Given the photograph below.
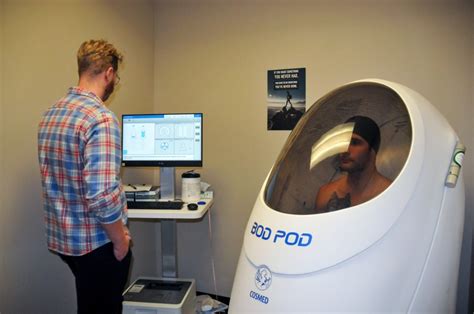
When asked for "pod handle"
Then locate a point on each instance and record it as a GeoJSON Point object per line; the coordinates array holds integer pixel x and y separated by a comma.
{"type": "Point", "coordinates": [456, 164]}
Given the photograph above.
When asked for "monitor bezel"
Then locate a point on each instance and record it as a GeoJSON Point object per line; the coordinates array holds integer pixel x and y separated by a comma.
{"type": "Point", "coordinates": [163, 163]}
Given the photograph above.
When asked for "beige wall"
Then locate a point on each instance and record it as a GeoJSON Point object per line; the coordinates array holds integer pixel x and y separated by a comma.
{"type": "Point", "coordinates": [209, 56]}
{"type": "Point", "coordinates": [38, 57]}
{"type": "Point", "coordinates": [213, 56]}
{"type": "Point", "coordinates": [3, 243]}
{"type": "Point", "coordinates": [471, 221]}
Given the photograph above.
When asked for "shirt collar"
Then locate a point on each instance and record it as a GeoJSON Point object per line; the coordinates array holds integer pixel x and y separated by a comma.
{"type": "Point", "coordinates": [79, 91]}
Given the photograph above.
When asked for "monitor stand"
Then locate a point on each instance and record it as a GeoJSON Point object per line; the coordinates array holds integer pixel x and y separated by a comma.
{"type": "Point", "coordinates": [167, 183]}
{"type": "Point", "coordinates": [168, 226]}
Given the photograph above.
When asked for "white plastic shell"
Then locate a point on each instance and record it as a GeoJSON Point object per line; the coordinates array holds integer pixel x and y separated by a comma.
{"type": "Point", "coordinates": [396, 252]}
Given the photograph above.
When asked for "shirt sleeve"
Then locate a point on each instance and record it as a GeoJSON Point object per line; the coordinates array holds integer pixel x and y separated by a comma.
{"type": "Point", "coordinates": [102, 158]}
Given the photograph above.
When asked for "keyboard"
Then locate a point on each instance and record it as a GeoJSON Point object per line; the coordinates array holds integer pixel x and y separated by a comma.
{"type": "Point", "coordinates": [155, 205]}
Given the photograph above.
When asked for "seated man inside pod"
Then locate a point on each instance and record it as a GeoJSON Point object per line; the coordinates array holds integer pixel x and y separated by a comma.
{"type": "Point", "coordinates": [362, 182]}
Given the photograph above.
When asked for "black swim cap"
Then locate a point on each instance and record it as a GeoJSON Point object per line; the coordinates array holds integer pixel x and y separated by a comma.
{"type": "Point", "coordinates": [367, 129]}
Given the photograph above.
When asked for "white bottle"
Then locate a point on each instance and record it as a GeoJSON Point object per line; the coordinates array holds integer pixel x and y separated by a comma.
{"type": "Point", "coordinates": [191, 187]}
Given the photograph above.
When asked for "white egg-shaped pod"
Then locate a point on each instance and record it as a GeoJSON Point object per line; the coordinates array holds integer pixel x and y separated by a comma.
{"type": "Point", "coordinates": [376, 252]}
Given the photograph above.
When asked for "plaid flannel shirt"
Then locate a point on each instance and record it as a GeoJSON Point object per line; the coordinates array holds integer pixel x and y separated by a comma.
{"type": "Point", "coordinates": [79, 155]}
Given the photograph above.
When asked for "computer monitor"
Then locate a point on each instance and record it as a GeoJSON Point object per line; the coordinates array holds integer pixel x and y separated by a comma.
{"type": "Point", "coordinates": [162, 140]}
{"type": "Point", "coordinates": [165, 140]}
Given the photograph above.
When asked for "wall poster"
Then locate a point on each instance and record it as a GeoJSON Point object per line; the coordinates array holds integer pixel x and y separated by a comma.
{"type": "Point", "coordinates": [286, 100]}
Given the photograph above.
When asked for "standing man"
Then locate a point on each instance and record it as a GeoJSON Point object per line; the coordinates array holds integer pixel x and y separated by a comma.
{"type": "Point", "coordinates": [363, 181]}
{"type": "Point", "coordinates": [84, 204]}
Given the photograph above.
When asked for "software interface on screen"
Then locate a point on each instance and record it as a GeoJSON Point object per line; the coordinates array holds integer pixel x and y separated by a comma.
{"type": "Point", "coordinates": [162, 137]}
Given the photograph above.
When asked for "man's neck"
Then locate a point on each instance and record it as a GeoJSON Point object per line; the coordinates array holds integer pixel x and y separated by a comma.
{"type": "Point", "coordinates": [358, 181]}
{"type": "Point", "coordinates": [91, 86]}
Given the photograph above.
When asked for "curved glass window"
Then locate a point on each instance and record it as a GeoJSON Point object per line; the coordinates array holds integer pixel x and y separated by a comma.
{"type": "Point", "coordinates": [347, 149]}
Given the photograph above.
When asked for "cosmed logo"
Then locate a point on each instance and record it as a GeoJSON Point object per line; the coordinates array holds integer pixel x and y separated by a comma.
{"type": "Point", "coordinates": [263, 277]}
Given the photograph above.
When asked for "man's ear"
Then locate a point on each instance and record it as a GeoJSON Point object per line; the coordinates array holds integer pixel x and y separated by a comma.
{"type": "Point", "coordinates": [373, 153]}
{"type": "Point", "coordinates": [109, 74]}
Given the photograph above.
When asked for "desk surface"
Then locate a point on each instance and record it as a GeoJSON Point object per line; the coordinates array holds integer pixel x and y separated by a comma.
{"type": "Point", "coordinates": [183, 213]}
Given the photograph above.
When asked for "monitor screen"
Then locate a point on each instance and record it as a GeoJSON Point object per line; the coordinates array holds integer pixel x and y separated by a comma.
{"type": "Point", "coordinates": [164, 140]}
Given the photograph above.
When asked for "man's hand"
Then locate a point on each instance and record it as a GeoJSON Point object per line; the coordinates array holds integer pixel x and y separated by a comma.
{"type": "Point", "coordinates": [121, 249]}
{"type": "Point", "coordinates": [120, 236]}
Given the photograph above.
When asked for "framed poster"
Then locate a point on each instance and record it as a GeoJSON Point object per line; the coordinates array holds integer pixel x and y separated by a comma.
{"type": "Point", "coordinates": [286, 98]}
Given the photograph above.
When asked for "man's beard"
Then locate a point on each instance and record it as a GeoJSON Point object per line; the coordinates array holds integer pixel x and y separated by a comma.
{"type": "Point", "coordinates": [109, 89]}
{"type": "Point", "coordinates": [353, 168]}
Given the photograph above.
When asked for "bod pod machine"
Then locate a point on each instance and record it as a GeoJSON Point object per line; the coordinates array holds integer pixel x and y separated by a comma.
{"type": "Point", "coordinates": [361, 211]}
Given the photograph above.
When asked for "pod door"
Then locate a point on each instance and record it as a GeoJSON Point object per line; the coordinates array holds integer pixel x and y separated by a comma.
{"type": "Point", "coordinates": [347, 149]}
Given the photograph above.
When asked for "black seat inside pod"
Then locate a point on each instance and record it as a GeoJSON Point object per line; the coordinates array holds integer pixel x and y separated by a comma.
{"type": "Point", "coordinates": [311, 157]}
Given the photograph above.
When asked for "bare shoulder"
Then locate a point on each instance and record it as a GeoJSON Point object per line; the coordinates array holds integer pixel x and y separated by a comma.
{"type": "Point", "coordinates": [325, 192]}
{"type": "Point", "coordinates": [332, 186]}
{"type": "Point", "coordinates": [382, 183]}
